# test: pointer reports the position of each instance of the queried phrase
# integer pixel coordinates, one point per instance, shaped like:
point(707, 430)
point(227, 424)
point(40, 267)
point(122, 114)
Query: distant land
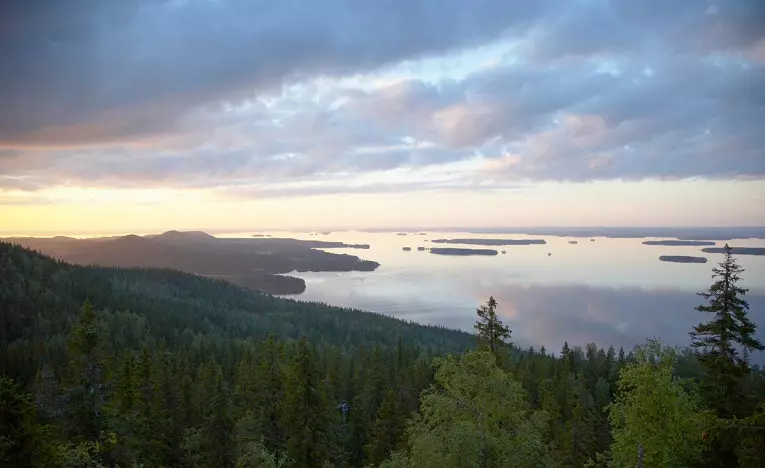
point(737, 250)
point(679, 232)
point(256, 263)
point(406, 249)
point(678, 243)
point(573, 242)
point(455, 251)
point(490, 241)
point(682, 259)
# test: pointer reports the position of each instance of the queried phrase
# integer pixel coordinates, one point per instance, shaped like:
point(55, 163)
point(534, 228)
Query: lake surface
point(610, 291)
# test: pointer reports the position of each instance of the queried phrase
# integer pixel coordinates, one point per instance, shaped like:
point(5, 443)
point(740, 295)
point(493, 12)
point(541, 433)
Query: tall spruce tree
point(305, 410)
point(84, 394)
point(492, 333)
point(722, 340)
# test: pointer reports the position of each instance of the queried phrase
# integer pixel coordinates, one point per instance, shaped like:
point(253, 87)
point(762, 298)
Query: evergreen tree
point(387, 430)
point(305, 410)
point(492, 333)
point(721, 340)
point(85, 392)
point(23, 441)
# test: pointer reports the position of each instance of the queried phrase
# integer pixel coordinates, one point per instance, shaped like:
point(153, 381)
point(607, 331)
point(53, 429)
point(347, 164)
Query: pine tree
point(492, 333)
point(721, 339)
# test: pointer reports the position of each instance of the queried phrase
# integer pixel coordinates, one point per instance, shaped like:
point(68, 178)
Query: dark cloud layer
point(209, 93)
point(70, 63)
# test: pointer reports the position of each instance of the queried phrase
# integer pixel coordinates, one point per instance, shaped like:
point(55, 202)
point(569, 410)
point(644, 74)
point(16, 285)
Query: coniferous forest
point(153, 368)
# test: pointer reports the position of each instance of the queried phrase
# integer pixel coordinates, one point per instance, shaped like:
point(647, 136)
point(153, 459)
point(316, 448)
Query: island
point(491, 241)
point(463, 252)
point(422, 233)
point(401, 234)
point(406, 249)
point(682, 259)
point(592, 240)
point(421, 249)
point(671, 242)
point(737, 250)
point(573, 242)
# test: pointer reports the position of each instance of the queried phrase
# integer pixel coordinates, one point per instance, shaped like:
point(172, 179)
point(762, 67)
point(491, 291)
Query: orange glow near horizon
point(678, 203)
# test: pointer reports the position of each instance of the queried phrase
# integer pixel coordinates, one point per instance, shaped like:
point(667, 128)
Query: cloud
point(138, 64)
point(211, 94)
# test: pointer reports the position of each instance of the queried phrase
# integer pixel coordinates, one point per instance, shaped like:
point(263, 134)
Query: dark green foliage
point(721, 340)
point(306, 410)
point(22, 439)
point(492, 333)
point(161, 368)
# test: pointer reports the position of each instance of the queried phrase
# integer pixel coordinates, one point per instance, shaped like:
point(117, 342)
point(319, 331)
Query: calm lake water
point(608, 291)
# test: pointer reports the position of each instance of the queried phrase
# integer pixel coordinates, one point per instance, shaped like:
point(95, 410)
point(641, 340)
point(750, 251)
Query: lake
point(607, 291)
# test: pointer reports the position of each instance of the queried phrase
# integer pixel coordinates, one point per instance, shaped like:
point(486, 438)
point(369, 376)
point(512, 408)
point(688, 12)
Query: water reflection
point(611, 291)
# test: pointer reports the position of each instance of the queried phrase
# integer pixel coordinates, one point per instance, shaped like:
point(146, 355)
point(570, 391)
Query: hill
point(259, 264)
point(40, 297)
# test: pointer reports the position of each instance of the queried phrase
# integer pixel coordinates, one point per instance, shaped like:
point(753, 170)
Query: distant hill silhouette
point(258, 264)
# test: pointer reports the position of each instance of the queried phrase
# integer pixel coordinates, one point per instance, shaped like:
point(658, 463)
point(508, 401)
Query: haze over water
point(610, 291)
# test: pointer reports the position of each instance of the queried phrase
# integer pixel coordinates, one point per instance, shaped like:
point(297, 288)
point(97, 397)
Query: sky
point(148, 115)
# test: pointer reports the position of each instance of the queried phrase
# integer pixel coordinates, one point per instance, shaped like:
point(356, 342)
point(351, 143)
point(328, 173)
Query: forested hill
point(40, 298)
point(142, 368)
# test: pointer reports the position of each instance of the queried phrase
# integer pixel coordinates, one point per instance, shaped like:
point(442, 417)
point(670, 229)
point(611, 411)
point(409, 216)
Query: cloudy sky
point(145, 115)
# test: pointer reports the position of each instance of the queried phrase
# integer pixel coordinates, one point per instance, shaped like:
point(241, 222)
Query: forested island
point(737, 250)
point(147, 367)
point(491, 241)
point(682, 259)
point(456, 251)
point(256, 263)
point(671, 242)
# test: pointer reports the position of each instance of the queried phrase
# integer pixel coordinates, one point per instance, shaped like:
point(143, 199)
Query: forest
point(131, 367)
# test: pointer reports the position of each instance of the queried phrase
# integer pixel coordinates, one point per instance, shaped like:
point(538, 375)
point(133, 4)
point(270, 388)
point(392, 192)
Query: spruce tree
point(492, 333)
point(305, 410)
point(721, 340)
point(84, 394)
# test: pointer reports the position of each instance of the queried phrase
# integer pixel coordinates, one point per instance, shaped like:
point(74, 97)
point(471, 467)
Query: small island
point(491, 241)
point(737, 250)
point(463, 252)
point(422, 233)
point(406, 249)
point(401, 234)
point(674, 243)
point(421, 249)
point(573, 242)
point(682, 259)
point(592, 240)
